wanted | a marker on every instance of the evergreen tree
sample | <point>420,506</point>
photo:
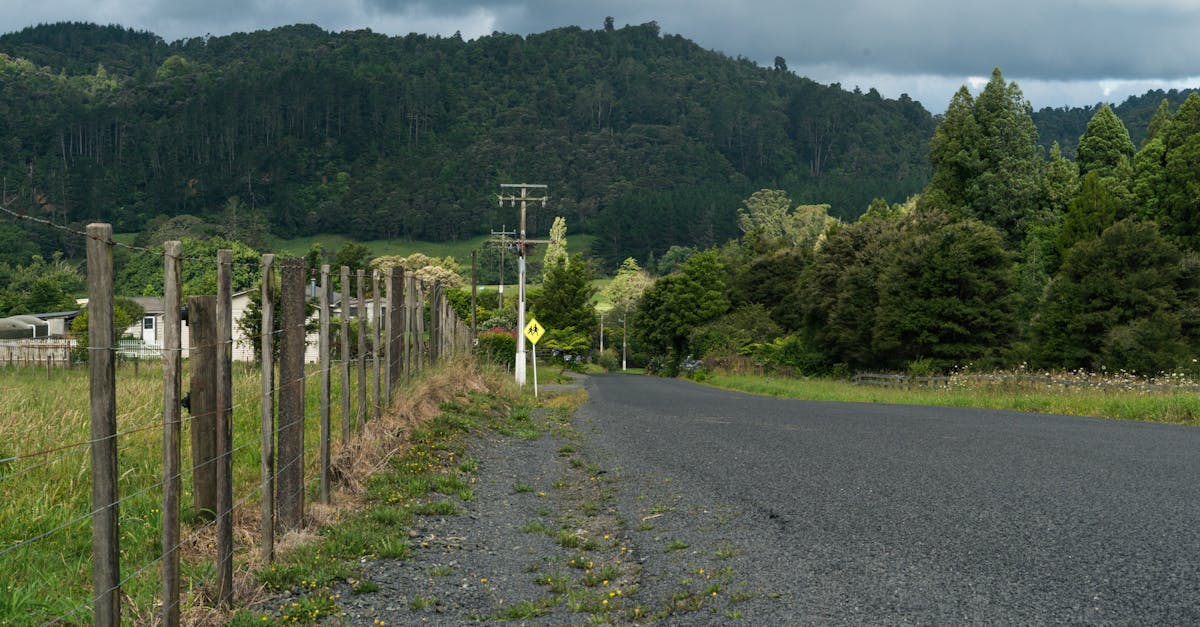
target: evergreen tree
<point>557,248</point>
<point>678,303</point>
<point>986,159</point>
<point>946,296</point>
<point>1161,120</point>
<point>773,280</point>
<point>1105,147</point>
<point>954,153</point>
<point>1059,185</point>
<point>1098,205</point>
<point>1116,304</point>
<point>1180,199</point>
<point>565,301</point>
<point>840,290</point>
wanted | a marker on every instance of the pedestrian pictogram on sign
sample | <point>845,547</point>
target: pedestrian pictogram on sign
<point>534,331</point>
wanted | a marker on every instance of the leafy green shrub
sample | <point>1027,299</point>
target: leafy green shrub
<point>922,368</point>
<point>126,312</point>
<point>497,346</point>
<point>608,359</point>
<point>792,351</point>
<point>568,347</point>
<point>734,331</point>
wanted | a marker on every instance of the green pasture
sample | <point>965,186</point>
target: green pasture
<point>45,492</point>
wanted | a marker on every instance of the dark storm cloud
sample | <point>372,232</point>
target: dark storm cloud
<point>1047,39</point>
<point>1062,51</point>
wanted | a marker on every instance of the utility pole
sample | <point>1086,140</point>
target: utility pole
<point>522,249</point>
<point>624,344</point>
<point>501,240</point>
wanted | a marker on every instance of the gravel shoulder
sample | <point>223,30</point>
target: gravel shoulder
<point>540,543</point>
<point>555,536</point>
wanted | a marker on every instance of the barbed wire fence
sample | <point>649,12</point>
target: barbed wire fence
<point>128,474</point>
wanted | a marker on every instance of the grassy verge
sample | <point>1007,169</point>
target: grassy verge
<point>431,475</point>
<point>1177,407</point>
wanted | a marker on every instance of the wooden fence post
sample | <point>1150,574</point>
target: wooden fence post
<point>421,343</point>
<point>345,342</point>
<point>450,325</point>
<point>375,342</point>
<point>395,351</point>
<point>267,465</point>
<point>203,396</point>
<point>323,349</point>
<point>172,428</point>
<point>435,324</point>
<point>362,349</point>
<point>102,381</point>
<point>390,331</point>
<point>290,473</point>
<point>474,302</point>
<point>224,427</point>
<point>412,365</point>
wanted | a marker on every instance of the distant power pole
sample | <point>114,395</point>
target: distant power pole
<point>522,248</point>
<point>501,240</point>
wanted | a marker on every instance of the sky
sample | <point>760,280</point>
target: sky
<point>1060,52</point>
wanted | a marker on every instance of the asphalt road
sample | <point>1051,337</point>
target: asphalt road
<point>828,513</point>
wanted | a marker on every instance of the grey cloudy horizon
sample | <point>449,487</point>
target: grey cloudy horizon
<point>1061,52</point>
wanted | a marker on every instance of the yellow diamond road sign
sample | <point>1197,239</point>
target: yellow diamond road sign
<point>534,331</point>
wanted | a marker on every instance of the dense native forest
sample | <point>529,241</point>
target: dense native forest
<point>1010,257</point>
<point>1064,125</point>
<point>778,221</point>
<point>645,140</point>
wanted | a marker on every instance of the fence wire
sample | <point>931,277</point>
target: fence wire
<point>408,358</point>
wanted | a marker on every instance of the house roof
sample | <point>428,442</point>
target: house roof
<point>151,304</point>
<point>335,298</point>
<point>57,314</point>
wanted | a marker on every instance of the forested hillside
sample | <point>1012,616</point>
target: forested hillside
<point>1065,125</point>
<point>645,140</point>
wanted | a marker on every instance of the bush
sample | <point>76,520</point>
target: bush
<point>922,368</point>
<point>497,346</point>
<point>735,331</point>
<point>794,352</point>
<point>609,360</point>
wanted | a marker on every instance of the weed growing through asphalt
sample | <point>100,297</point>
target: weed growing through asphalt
<point>725,551</point>
<point>419,603</point>
<point>536,526</point>
<point>527,609</point>
<point>568,539</point>
<point>704,588</point>
<point>596,574</point>
<point>675,545</point>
